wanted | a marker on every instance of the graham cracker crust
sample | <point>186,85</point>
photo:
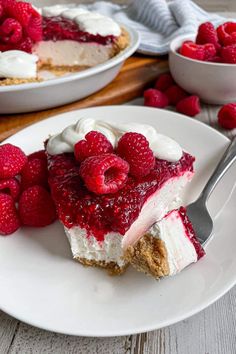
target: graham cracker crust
<point>149,255</point>
<point>15,81</point>
<point>111,267</point>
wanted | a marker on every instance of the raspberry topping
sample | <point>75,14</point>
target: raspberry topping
<point>35,172</point>
<point>134,148</point>
<point>57,28</point>
<point>227,33</point>
<point>192,50</point>
<point>9,219</point>
<point>155,98</point>
<point>36,207</point>
<point>229,54</point>
<point>189,106</point>
<point>104,174</point>
<point>12,160</point>
<point>95,143</point>
<point>163,82</point>
<point>227,116</point>
<point>175,93</point>
<point>207,34</point>
<point>11,185</point>
<point>100,214</point>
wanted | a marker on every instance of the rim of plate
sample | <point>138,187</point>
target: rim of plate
<point>124,54</point>
<point>146,328</point>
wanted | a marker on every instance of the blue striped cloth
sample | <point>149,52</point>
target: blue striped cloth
<point>157,21</point>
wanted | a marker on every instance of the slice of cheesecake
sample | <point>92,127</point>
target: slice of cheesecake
<point>101,227</point>
<point>167,247</point>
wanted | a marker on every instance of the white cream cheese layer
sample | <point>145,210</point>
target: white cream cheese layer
<point>180,250</point>
<point>163,147</point>
<point>87,21</point>
<point>18,64</point>
<point>89,248</point>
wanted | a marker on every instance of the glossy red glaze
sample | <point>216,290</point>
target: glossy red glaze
<point>58,28</point>
<point>100,214</point>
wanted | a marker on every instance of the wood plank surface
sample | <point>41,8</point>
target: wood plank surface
<point>136,74</point>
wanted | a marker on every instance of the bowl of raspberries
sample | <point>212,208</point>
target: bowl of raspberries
<point>204,64</point>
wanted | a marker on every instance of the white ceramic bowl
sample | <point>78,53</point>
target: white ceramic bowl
<point>213,82</point>
<point>72,87</point>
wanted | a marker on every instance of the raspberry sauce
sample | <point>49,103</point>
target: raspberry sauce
<point>59,28</point>
<point>100,214</point>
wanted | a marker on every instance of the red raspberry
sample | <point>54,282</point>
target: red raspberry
<point>26,45</point>
<point>11,185</point>
<point>192,50</point>
<point>11,31</point>
<point>189,106</point>
<point>36,207</point>
<point>227,116</point>
<point>217,59</point>
<point>95,144</point>
<point>41,154</point>
<point>227,33</point>
<point>104,174</point>
<point>134,148</point>
<point>9,219</point>
<point>229,54</point>
<point>35,172</point>
<point>207,34</point>
<point>175,93</point>
<point>12,160</point>
<point>210,51</point>
<point>155,98</point>
<point>34,29</point>
<point>164,81</point>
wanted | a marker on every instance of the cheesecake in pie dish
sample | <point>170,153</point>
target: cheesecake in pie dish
<point>114,186</point>
<point>59,38</point>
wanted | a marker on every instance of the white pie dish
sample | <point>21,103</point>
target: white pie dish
<point>214,83</point>
<point>58,294</point>
<point>55,92</point>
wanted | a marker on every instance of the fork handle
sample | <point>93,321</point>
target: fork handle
<point>227,160</point>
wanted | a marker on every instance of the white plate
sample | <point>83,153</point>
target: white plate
<point>43,286</point>
<point>72,87</point>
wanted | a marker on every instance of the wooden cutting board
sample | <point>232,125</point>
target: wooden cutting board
<point>137,73</point>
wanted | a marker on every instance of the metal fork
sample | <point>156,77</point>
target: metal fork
<point>197,211</point>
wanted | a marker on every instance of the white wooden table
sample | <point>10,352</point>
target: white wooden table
<point>212,331</point>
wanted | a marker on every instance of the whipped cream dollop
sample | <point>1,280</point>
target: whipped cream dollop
<point>18,64</point>
<point>163,147</point>
<point>88,21</point>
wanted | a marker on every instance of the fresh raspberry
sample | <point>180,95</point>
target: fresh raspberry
<point>175,93</point>
<point>227,33</point>
<point>26,45</point>
<point>229,54</point>
<point>155,98</point>
<point>189,106</point>
<point>34,29</point>
<point>227,116</point>
<point>36,207</point>
<point>94,144</point>
<point>217,59</point>
<point>1,10</point>
<point>192,50</point>
<point>104,174</point>
<point>163,82</point>
<point>210,51</point>
<point>11,185</point>
<point>12,160</point>
<point>41,154</point>
<point>11,31</point>
<point>9,219</point>
<point>207,34</point>
<point>35,172</point>
<point>134,148</point>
